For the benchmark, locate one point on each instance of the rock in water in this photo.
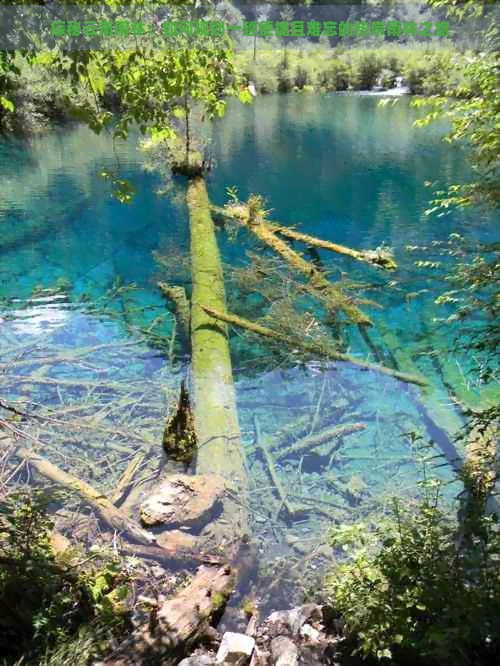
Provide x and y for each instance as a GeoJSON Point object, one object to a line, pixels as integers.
{"type": "Point", "coordinates": [235, 649]}
{"type": "Point", "coordinates": [184, 501]}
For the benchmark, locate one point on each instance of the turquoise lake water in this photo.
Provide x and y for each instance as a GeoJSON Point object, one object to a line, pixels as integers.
{"type": "Point", "coordinates": [337, 167]}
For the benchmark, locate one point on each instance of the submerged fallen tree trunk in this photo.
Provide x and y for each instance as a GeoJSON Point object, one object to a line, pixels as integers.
{"type": "Point", "coordinates": [220, 449]}
{"type": "Point", "coordinates": [261, 444]}
{"type": "Point", "coordinates": [103, 507]}
{"type": "Point", "coordinates": [313, 348]}
{"type": "Point", "coordinates": [378, 257]}
{"type": "Point", "coordinates": [439, 419]}
{"type": "Point", "coordinates": [332, 296]}
{"type": "Point", "coordinates": [309, 443]}
{"type": "Point", "coordinates": [176, 296]}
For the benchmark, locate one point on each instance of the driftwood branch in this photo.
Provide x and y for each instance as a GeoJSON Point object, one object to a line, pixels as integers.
{"type": "Point", "coordinates": [179, 303]}
{"type": "Point", "coordinates": [311, 442]}
{"type": "Point", "coordinates": [261, 445]}
{"type": "Point", "coordinates": [322, 288]}
{"type": "Point", "coordinates": [61, 357]}
{"type": "Point", "coordinates": [127, 477]}
{"type": "Point", "coordinates": [313, 348]}
{"type": "Point", "coordinates": [104, 508]}
{"type": "Point", "coordinates": [378, 257]}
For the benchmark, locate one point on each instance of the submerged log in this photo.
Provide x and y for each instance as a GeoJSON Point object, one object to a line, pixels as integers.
{"type": "Point", "coordinates": [439, 419]}
{"type": "Point", "coordinates": [313, 348]}
{"type": "Point", "coordinates": [311, 442]}
{"type": "Point", "coordinates": [126, 479]}
{"type": "Point", "coordinates": [112, 516]}
{"type": "Point", "coordinates": [322, 288]}
{"type": "Point", "coordinates": [378, 257]}
{"type": "Point", "coordinates": [261, 445]}
{"type": "Point", "coordinates": [220, 450]}
{"type": "Point", "coordinates": [176, 297]}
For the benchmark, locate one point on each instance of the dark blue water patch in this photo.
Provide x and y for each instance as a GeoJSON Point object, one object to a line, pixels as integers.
{"type": "Point", "coordinates": [441, 439]}
{"type": "Point", "coordinates": [15, 154]}
{"type": "Point", "coordinates": [333, 169]}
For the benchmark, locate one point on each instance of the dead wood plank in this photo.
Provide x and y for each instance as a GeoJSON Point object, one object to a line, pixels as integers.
{"type": "Point", "coordinates": [182, 620]}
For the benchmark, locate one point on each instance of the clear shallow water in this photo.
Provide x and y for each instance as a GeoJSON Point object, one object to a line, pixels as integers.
{"type": "Point", "coordinates": [339, 168]}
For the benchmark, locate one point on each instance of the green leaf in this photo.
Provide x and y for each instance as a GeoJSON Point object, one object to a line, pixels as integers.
{"type": "Point", "coordinates": [6, 104]}
{"type": "Point", "coordinates": [158, 135]}
{"type": "Point", "coordinates": [384, 654]}
{"type": "Point", "coordinates": [178, 112]}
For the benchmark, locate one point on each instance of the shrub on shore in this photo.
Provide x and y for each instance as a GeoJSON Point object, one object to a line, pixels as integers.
{"type": "Point", "coordinates": [424, 585]}
{"type": "Point", "coordinates": [50, 603]}
{"type": "Point", "coordinates": [425, 71]}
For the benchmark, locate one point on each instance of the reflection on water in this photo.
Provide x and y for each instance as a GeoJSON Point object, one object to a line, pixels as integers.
{"type": "Point", "coordinates": [59, 222]}
{"type": "Point", "coordinates": [337, 167]}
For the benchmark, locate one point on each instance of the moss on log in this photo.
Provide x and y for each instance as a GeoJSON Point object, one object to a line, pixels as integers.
{"type": "Point", "coordinates": [329, 294]}
{"type": "Point", "coordinates": [182, 620]}
{"type": "Point", "coordinates": [313, 348]}
{"type": "Point", "coordinates": [219, 440]}
{"type": "Point", "coordinates": [379, 257]}
{"type": "Point", "coordinates": [179, 436]}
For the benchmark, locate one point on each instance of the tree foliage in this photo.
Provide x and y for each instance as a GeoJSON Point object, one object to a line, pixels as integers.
{"type": "Point", "coordinates": [152, 79]}
{"type": "Point", "coordinates": [46, 599]}
{"type": "Point", "coordinates": [422, 594]}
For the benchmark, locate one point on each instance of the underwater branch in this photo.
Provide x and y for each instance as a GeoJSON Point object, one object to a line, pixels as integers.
{"type": "Point", "coordinates": [313, 348]}
{"type": "Point", "coordinates": [319, 285]}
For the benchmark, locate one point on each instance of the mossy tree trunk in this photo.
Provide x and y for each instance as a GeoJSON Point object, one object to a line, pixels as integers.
{"type": "Point", "coordinates": [219, 441]}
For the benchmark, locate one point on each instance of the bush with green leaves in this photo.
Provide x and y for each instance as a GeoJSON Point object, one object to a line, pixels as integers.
{"type": "Point", "coordinates": [47, 600]}
{"type": "Point", "coordinates": [366, 68]}
{"type": "Point", "coordinates": [425, 71]}
{"type": "Point", "coordinates": [413, 588]}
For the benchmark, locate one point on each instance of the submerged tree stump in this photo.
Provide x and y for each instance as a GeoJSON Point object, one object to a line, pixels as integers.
{"type": "Point", "coordinates": [179, 437]}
